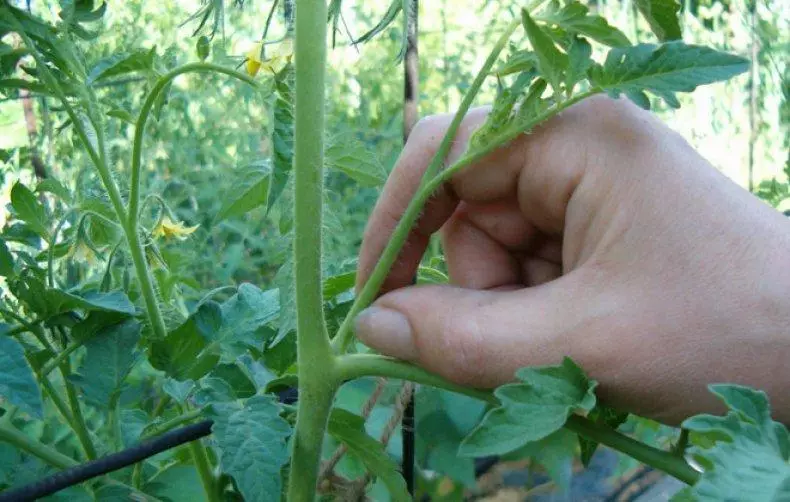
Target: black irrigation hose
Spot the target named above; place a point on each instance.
(109, 463)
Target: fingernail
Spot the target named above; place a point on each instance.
(387, 331)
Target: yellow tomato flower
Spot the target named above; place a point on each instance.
(81, 252)
(283, 54)
(167, 228)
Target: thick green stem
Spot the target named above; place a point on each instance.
(316, 382)
(353, 366)
(203, 467)
(372, 286)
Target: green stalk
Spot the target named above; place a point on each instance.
(203, 467)
(352, 366)
(39, 450)
(316, 362)
(131, 221)
(387, 259)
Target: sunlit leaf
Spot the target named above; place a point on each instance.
(576, 19)
(121, 64)
(662, 16)
(664, 70)
(392, 12)
(552, 62)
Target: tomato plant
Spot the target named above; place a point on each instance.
(96, 365)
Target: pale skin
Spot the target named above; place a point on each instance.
(602, 236)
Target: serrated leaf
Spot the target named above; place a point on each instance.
(352, 159)
(349, 429)
(244, 199)
(54, 187)
(662, 16)
(748, 458)
(555, 453)
(121, 64)
(109, 358)
(282, 137)
(245, 313)
(182, 354)
(252, 446)
(532, 409)
(6, 260)
(337, 284)
(664, 69)
(579, 61)
(392, 12)
(576, 19)
(28, 209)
(552, 63)
(178, 390)
(17, 383)
(49, 302)
(517, 62)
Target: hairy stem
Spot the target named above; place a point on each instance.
(373, 284)
(359, 365)
(316, 381)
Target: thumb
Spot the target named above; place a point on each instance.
(478, 338)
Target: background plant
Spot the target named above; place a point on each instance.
(128, 330)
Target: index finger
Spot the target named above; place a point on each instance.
(404, 181)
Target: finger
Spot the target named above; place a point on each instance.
(475, 337)
(474, 259)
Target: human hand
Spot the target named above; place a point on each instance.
(602, 236)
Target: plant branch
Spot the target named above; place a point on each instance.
(353, 366)
(390, 253)
(51, 456)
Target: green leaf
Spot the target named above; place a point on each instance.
(337, 284)
(49, 302)
(552, 63)
(110, 356)
(176, 482)
(202, 47)
(352, 159)
(252, 444)
(392, 12)
(664, 69)
(575, 18)
(579, 61)
(555, 453)
(748, 459)
(179, 391)
(6, 260)
(237, 378)
(662, 16)
(121, 64)
(284, 279)
(245, 313)
(17, 383)
(254, 193)
(517, 62)
(349, 429)
(54, 187)
(440, 437)
(532, 409)
(282, 137)
(28, 209)
(182, 354)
